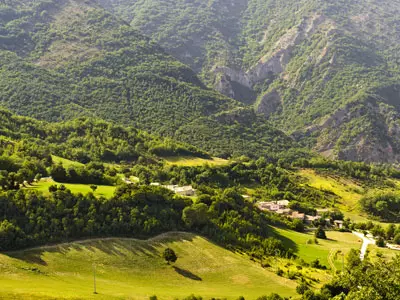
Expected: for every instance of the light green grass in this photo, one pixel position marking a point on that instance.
(386, 253)
(188, 161)
(102, 190)
(134, 269)
(66, 162)
(349, 191)
(325, 249)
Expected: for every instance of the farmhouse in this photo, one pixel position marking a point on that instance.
(309, 219)
(274, 205)
(338, 224)
(187, 190)
(297, 215)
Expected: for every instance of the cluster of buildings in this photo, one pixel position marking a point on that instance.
(281, 207)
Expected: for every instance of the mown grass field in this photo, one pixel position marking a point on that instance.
(194, 161)
(106, 191)
(134, 269)
(325, 250)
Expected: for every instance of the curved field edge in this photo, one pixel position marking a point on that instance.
(134, 269)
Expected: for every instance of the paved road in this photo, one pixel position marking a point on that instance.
(366, 241)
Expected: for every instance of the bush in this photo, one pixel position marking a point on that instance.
(302, 288)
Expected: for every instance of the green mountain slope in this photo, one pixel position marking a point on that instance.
(65, 59)
(325, 71)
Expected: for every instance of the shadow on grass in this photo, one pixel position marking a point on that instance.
(289, 243)
(119, 247)
(187, 274)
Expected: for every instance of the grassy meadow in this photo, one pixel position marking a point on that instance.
(325, 250)
(106, 191)
(134, 269)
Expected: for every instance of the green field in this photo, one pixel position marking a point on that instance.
(325, 249)
(66, 162)
(106, 191)
(194, 161)
(134, 269)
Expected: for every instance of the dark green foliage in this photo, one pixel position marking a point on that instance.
(353, 259)
(169, 255)
(320, 233)
(273, 296)
(383, 205)
(317, 264)
(380, 242)
(366, 280)
(302, 288)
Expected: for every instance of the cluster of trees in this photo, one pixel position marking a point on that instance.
(386, 206)
(94, 173)
(358, 170)
(365, 280)
(28, 218)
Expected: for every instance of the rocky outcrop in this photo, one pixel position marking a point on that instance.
(272, 63)
(269, 103)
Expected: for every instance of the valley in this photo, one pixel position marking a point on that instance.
(239, 150)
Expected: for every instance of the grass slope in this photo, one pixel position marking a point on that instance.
(325, 250)
(349, 191)
(134, 269)
(66, 162)
(106, 191)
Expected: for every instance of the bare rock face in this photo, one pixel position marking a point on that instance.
(273, 63)
(269, 103)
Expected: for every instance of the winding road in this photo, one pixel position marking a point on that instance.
(366, 241)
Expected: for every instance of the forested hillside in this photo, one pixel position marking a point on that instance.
(325, 71)
(64, 59)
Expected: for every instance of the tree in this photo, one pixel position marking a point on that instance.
(195, 215)
(353, 259)
(302, 288)
(53, 188)
(298, 225)
(93, 187)
(169, 255)
(320, 233)
(390, 231)
(380, 242)
(396, 239)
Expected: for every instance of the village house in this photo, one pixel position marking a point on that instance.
(283, 203)
(274, 206)
(181, 190)
(284, 211)
(338, 224)
(297, 215)
(309, 219)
